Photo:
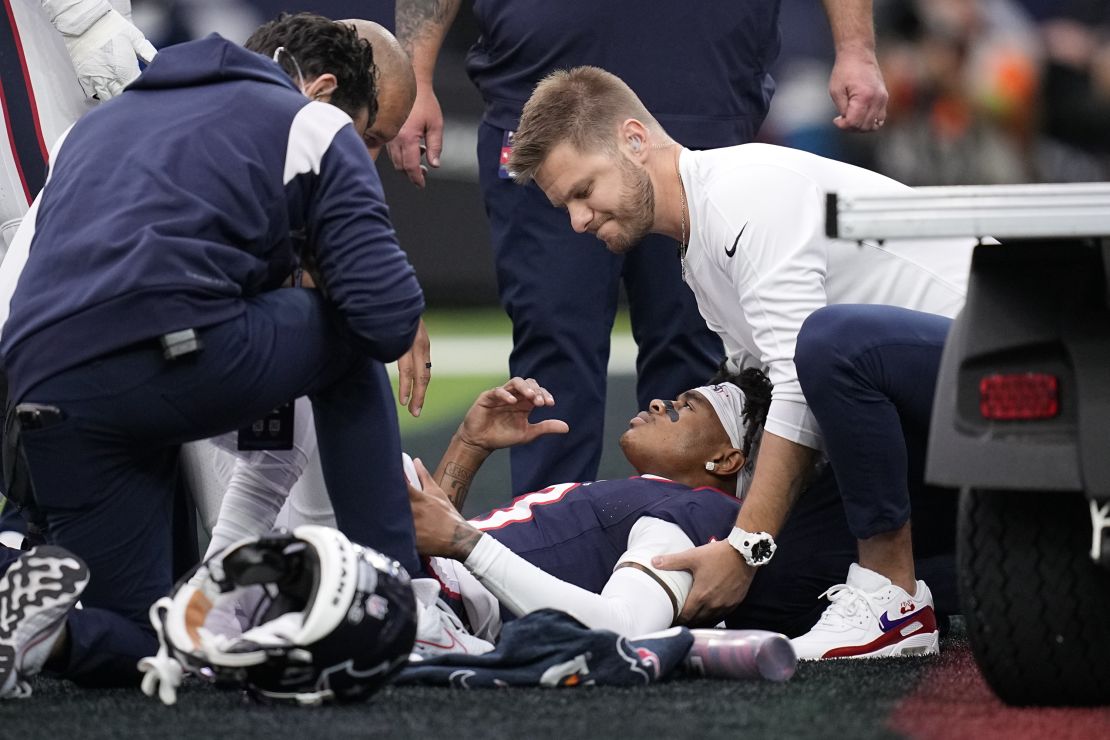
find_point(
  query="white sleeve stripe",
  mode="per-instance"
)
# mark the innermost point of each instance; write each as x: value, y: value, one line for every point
x: 310, y: 135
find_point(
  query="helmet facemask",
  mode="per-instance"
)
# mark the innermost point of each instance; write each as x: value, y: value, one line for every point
x: 334, y: 620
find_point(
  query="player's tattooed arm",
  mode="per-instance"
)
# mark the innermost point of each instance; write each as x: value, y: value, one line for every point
x: 421, y: 27
x: 421, y: 21
x: 497, y: 419
x: 456, y: 481
x: 440, y: 528
x: 464, y: 540
x: 457, y: 469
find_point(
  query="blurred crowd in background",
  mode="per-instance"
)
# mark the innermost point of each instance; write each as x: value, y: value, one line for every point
x: 981, y: 92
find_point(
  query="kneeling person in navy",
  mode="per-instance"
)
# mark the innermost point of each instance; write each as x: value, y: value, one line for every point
x: 149, y: 314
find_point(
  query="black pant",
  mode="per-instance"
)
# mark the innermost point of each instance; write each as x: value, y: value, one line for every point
x: 815, y: 549
x: 104, y: 476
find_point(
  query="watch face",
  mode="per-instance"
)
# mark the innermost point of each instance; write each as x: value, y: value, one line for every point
x: 761, y: 551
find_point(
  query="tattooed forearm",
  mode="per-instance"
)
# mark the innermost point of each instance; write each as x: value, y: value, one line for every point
x: 463, y: 540
x: 417, y: 19
x: 456, y: 481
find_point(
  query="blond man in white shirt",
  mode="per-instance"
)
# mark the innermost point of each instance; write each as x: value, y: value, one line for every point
x: 750, y: 223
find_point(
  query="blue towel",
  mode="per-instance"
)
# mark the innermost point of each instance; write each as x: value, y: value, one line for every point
x: 551, y: 648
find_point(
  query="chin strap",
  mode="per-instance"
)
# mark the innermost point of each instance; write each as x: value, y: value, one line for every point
x: 161, y: 672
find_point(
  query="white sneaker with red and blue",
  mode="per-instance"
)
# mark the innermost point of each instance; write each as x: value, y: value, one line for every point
x: 870, y: 617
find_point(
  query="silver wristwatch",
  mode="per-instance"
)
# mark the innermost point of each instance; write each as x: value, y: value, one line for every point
x: 756, y: 547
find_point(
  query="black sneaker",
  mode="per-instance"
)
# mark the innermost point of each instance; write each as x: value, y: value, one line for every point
x: 36, y: 593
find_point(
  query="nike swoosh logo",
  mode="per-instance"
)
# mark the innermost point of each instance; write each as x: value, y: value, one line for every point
x: 887, y: 625
x: 730, y: 252
x: 455, y: 642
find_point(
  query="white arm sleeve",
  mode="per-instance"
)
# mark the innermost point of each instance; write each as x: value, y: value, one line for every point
x: 261, y: 482
x: 251, y: 505
x: 650, y: 537
x: 633, y: 602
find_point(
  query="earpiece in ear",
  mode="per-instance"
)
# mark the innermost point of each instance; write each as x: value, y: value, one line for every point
x: 634, y: 142
x: 711, y: 466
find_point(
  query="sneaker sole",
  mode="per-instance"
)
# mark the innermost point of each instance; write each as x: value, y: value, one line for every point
x: 912, y: 646
x: 36, y: 592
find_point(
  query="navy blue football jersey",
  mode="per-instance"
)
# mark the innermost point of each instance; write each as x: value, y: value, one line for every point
x: 577, y: 531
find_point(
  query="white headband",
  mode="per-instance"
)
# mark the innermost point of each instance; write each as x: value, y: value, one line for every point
x: 728, y: 401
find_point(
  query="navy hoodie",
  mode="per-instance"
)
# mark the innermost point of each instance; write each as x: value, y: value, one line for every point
x: 193, y: 190
x: 701, y: 66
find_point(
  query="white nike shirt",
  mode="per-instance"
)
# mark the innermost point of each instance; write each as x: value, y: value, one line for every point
x: 756, y: 290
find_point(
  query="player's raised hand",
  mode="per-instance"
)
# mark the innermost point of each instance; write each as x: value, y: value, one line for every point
x: 440, y: 529
x: 499, y: 417
x: 721, y: 581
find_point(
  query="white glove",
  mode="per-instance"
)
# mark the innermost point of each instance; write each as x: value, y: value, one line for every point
x: 102, y: 44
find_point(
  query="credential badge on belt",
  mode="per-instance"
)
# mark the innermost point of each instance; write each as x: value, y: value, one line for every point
x: 274, y: 431
x: 506, y: 150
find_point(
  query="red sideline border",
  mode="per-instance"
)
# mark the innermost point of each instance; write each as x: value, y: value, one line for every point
x: 953, y: 701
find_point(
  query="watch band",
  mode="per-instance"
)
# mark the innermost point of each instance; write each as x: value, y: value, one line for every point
x: 757, y: 548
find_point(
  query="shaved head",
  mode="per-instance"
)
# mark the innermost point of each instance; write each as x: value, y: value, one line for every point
x: 396, y: 82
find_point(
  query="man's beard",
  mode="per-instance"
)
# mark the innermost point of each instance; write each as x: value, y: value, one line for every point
x: 636, y: 213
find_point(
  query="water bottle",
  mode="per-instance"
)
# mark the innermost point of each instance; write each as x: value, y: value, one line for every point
x: 743, y: 654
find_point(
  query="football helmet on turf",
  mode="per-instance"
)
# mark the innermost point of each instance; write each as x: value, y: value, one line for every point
x: 334, y: 620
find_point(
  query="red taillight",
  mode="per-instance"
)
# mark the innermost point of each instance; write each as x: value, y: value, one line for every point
x: 1019, y: 396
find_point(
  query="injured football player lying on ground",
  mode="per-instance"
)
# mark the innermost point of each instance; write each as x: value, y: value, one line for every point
x: 586, y: 548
